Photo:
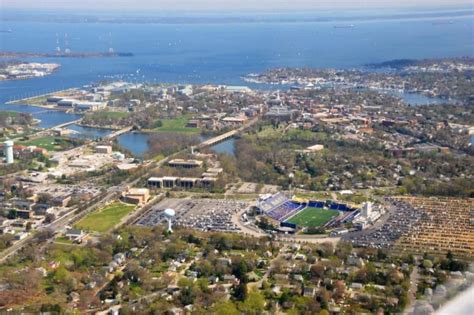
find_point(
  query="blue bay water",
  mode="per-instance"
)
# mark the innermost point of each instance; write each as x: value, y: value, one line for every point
x: 222, y: 53
x: 219, y: 53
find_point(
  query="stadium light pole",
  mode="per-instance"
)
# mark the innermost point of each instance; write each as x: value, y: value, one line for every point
x: 291, y: 176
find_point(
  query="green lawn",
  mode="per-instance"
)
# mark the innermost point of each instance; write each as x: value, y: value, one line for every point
x: 357, y: 197
x: 110, y: 115
x: 9, y: 113
x: 313, y: 217
x: 47, y: 143
x: 106, y: 218
x: 176, y: 125
x: 314, y: 195
x: 63, y: 240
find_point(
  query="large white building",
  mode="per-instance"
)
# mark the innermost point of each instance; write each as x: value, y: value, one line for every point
x: 368, y: 215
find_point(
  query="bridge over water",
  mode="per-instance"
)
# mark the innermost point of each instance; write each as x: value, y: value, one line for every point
x: 227, y: 135
x: 118, y: 132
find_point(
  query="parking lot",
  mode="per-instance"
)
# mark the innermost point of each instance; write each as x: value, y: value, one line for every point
x: 401, y: 219
x: 199, y: 214
x: 56, y: 190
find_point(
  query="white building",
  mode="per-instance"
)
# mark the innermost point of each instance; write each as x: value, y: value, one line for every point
x: 8, y: 151
x: 368, y: 215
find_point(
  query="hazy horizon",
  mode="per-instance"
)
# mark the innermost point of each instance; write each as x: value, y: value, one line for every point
x: 227, y: 6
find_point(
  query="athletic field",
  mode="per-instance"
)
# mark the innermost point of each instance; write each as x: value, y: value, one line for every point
x: 313, y: 217
x: 106, y: 218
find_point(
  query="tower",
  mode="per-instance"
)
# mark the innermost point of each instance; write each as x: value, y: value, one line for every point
x: 58, y: 48
x: 169, y: 215
x: 66, y: 44
x: 111, y: 50
x: 8, y: 151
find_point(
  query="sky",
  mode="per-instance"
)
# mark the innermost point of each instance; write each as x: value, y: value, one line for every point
x: 224, y: 5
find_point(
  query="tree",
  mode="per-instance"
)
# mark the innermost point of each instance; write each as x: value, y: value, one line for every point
x: 50, y: 217
x: 240, y: 292
x: 187, y: 295
x: 12, y: 214
x: 317, y: 271
x: 6, y: 241
x: 61, y: 275
x: 427, y: 264
x: 45, y: 198
x: 343, y: 249
x: 50, y: 308
x: 339, y: 289
x: 225, y: 308
x: 253, y: 304
x: 240, y: 271
x: 43, y: 235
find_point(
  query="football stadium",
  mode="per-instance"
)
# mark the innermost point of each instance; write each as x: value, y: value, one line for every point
x: 305, y: 213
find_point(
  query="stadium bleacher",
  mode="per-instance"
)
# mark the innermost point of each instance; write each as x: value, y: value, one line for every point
x: 285, y: 210
x: 279, y: 207
x: 272, y: 202
x: 332, y: 205
x: 316, y: 204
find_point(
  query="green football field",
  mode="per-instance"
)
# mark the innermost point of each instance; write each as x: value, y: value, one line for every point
x: 313, y: 217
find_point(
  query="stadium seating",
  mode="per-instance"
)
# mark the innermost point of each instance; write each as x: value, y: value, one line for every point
x: 332, y: 205
x: 316, y: 204
x: 285, y: 210
x: 272, y: 202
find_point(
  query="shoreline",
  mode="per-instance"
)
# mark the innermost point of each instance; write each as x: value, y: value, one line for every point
x: 98, y: 127
x: 16, y: 102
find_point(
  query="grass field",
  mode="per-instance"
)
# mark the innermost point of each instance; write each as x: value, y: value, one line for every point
x: 176, y: 125
x: 313, y: 217
x: 9, y: 113
x: 63, y: 240
x: 110, y: 115
x: 106, y: 218
x: 47, y: 143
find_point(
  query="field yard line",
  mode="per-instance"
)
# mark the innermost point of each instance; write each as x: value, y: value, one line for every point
x: 289, y: 218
